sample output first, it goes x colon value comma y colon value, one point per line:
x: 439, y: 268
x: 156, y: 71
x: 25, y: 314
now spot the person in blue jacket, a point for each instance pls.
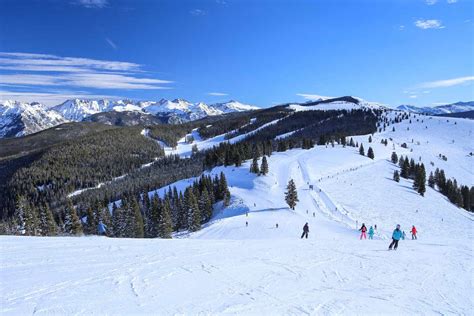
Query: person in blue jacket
x: 397, y: 234
x: 101, y: 228
x: 371, y: 232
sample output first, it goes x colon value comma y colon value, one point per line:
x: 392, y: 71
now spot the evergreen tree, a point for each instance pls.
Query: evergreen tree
x: 90, y: 227
x: 394, y: 157
x: 405, y: 173
x: 205, y: 205
x: 351, y: 142
x: 25, y: 219
x: 166, y: 225
x: 361, y: 150
x: 154, y: 217
x: 370, y: 153
x: 254, y: 166
x: 291, y: 195
x: 264, y: 166
x: 72, y: 223
x: 401, y: 161
x: 370, y: 139
x: 396, y: 176
x: 224, y: 189
x: 47, y: 224
x: 431, y: 180
x: 138, y: 227
x: 194, y: 216
x: 420, y: 180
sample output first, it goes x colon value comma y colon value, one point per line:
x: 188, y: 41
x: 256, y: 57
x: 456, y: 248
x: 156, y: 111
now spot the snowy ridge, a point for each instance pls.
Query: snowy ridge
x: 20, y: 118
x: 442, y: 109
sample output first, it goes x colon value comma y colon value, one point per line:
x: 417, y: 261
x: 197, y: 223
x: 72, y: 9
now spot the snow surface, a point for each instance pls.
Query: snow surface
x: 259, y: 269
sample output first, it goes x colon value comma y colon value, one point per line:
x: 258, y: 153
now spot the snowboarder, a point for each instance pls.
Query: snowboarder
x: 305, y: 231
x: 397, y: 234
x: 101, y: 228
x: 246, y: 224
x: 371, y: 232
x: 363, y: 230
x: 413, y: 232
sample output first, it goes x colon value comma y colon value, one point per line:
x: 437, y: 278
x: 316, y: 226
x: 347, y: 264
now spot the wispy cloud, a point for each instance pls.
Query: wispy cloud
x: 413, y: 96
x: 312, y: 96
x: 401, y: 27
x: 92, y: 4
x: 111, y: 43
x: 23, y: 69
x: 218, y: 94
x: 452, y: 1
x: 197, y: 12
x: 429, y: 24
x: 447, y: 82
x: 51, y: 98
x: 431, y: 2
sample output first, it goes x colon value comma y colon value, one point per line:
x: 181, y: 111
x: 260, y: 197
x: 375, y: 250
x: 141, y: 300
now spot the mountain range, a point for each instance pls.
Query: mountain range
x: 22, y: 118
x: 457, y: 107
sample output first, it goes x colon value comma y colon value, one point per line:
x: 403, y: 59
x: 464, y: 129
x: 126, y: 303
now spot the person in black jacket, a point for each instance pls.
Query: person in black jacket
x: 305, y: 231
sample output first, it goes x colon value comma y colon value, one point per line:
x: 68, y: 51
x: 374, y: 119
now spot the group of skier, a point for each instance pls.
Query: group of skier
x: 396, y: 235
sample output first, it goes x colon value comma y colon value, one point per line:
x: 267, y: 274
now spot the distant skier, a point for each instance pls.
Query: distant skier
x: 276, y: 225
x: 305, y: 231
x: 246, y: 224
x: 101, y: 229
x: 404, y: 235
x: 375, y: 227
x: 363, y: 231
x: 314, y: 214
x: 397, y: 234
x: 413, y: 233
x: 371, y: 232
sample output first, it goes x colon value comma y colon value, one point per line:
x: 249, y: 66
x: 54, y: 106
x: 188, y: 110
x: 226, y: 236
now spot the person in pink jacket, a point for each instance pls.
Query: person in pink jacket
x: 363, y: 231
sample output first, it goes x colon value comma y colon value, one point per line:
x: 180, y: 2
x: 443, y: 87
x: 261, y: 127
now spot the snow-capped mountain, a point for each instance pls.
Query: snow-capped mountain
x: 178, y: 110
x: 36, y: 117
x: 442, y: 109
x: 21, y: 118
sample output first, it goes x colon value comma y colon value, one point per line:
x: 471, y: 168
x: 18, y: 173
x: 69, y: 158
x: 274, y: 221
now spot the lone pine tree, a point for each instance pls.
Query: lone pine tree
x: 361, y: 150
x: 396, y: 176
x: 370, y: 153
x: 291, y: 195
x: 264, y: 166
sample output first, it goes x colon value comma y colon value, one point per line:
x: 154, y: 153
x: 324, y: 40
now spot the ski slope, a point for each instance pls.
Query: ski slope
x: 258, y: 269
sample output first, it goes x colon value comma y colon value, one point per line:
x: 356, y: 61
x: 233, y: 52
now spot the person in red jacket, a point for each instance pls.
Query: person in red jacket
x: 413, y: 232
x: 363, y: 229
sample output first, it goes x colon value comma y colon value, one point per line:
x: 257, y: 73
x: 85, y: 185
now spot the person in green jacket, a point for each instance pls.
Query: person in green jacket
x: 371, y: 232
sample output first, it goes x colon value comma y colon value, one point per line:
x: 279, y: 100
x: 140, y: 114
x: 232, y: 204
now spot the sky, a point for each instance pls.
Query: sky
x: 260, y: 52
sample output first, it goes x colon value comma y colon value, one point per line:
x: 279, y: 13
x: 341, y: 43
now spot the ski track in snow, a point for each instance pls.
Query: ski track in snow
x: 228, y: 268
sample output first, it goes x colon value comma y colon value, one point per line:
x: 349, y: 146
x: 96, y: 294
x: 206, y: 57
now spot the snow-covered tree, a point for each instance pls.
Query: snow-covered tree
x: 361, y: 150
x: 396, y: 176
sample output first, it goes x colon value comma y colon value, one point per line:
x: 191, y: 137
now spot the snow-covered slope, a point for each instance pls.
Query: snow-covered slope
x: 259, y: 269
x: 442, y: 109
x: 342, y: 103
x: 21, y: 118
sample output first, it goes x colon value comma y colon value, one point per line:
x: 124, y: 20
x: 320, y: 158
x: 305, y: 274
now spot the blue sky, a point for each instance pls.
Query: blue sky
x: 261, y: 52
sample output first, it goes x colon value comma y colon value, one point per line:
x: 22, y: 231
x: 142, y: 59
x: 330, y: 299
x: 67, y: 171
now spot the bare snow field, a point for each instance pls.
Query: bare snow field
x: 242, y: 263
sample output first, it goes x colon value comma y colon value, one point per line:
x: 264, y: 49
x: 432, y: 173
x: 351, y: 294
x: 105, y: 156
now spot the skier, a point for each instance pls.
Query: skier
x: 246, y: 224
x: 305, y: 231
x: 413, y: 233
x: 314, y: 214
x: 404, y: 235
x: 397, y: 234
x: 371, y: 232
x: 276, y: 225
x: 375, y: 227
x: 363, y: 229
x: 101, y: 228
